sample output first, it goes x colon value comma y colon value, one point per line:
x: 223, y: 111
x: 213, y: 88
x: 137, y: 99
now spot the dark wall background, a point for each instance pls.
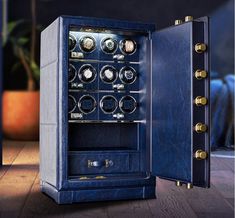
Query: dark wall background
x: 162, y: 13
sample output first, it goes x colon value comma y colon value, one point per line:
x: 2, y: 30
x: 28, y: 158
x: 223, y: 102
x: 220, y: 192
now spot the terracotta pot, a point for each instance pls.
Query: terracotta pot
x: 21, y: 115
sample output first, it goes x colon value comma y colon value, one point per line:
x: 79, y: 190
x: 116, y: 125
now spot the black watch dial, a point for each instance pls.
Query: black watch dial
x: 109, y: 45
x: 72, y: 42
x: 72, y: 72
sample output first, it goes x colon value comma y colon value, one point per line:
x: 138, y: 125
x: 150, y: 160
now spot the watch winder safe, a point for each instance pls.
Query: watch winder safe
x: 121, y: 104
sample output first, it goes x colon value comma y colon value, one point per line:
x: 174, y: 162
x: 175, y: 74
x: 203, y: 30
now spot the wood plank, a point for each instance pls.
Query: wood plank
x: 230, y: 201
x: 218, y: 163
x: 223, y: 180
x: 130, y: 208
x: 215, y: 215
x: 207, y: 200
x: 230, y: 163
x: 10, y: 152
x: 170, y: 201
x: 18, y: 180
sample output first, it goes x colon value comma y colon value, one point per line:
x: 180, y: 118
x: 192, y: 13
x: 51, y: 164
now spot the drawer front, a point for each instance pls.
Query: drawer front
x: 103, y: 163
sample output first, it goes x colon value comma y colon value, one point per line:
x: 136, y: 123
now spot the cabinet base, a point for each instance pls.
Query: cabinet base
x: 103, y: 194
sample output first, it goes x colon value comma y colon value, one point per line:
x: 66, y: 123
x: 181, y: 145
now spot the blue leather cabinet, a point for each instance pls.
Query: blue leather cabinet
x: 121, y: 104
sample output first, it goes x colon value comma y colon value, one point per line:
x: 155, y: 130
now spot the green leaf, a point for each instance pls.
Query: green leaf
x: 22, y: 40
x: 35, y: 69
x: 13, y: 24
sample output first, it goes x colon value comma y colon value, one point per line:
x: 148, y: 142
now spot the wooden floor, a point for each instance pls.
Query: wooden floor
x: 20, y: 195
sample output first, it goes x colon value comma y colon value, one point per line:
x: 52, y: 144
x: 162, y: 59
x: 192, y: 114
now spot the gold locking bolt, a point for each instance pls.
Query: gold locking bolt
x: 178, y: 183
x: 200, y: 74
x: 189, y: 185
x: 200, y: 155
x: 177, y: 22
x: 188, y: 18
x: 200, y: 47
x: 200, y: 127
x: 200, y: 101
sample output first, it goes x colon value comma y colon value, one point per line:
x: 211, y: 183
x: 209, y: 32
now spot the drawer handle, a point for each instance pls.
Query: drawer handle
x: 107, y: 163
x: 95, y: 163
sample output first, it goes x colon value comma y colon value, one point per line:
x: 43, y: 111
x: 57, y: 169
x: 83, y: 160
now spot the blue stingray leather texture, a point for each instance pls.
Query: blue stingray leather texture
x: 113, y: 120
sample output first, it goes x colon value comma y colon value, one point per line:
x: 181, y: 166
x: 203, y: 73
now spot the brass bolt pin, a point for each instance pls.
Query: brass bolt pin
x: 200, y: 74
x: 200, y: 101
x: 200, y: 47
x: 200, y: 128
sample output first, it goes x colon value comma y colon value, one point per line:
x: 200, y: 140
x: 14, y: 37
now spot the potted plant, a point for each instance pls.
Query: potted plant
x: 21, y: 107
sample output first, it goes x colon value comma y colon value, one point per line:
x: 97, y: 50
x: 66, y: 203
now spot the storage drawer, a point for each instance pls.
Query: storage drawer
x: 103, y: 163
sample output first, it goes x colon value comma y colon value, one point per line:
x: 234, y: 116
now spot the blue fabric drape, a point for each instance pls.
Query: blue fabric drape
x: 222, y: 112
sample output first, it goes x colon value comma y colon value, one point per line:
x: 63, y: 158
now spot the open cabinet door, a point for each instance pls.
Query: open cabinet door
x: 180, y: 103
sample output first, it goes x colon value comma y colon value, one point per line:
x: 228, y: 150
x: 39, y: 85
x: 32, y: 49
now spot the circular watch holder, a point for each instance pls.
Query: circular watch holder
x: 108, y: 104
x: 127, y: 104
x: 87, y: 44
x: 72, y: 42
x: 109, y: 45
x: 108, y: 74
x: 71, y: 104
x: 128, y: 46
x: 128, y: 75
x: 87, y: 104
x: 87, y: 73
x: 72, y: 73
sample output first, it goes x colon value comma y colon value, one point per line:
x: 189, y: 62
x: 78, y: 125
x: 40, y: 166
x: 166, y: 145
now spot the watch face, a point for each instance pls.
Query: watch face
x: 128, y: 75
x: 72, y: 42
x: 71, y: 104
x: 87, y: 104
x: 108, y: 104
x: 127, y: 104
x: 128, y: 46
x: 72, y: 72
x: 108, y: 74
x: 109, y: 45
x: 87, y: 43
x: 87, y: 73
